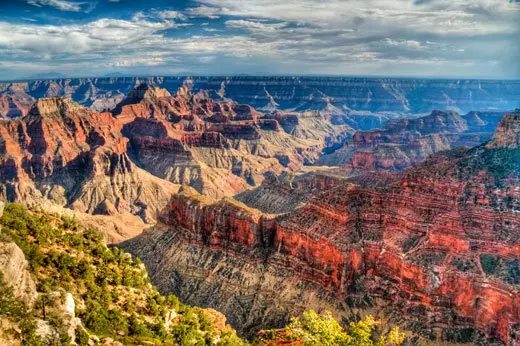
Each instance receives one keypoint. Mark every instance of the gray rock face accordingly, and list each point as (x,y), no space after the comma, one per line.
(14,268)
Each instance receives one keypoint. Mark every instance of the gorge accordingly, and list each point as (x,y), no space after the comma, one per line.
(264,213)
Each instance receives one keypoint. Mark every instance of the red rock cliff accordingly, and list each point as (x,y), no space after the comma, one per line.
(440,245)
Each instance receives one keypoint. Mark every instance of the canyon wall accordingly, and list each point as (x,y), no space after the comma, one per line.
(437,250)
(131,161)
(402,143)
(338,95)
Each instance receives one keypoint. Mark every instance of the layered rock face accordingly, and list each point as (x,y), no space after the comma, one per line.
(338,95)
(62,154)
(220,149)
(131,161)
(288,191)
(508,132)
(406,142)
(436,249)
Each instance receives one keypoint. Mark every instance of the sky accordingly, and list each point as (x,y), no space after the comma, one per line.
(416,38)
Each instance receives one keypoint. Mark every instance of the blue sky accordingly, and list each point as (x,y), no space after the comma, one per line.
(423,38)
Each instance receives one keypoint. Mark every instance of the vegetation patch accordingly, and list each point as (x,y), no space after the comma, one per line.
(113,294)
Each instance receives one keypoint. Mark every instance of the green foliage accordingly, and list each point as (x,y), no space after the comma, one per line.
(118,299)
(315,329)
(16,311)
(29,336)
(513,272)
(9,306)
(322,329)
(489,263)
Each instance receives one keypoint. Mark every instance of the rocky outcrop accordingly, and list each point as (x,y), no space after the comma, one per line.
(15,105)
(403,143)
(192,140)
(508,132)
(288,191)
(62,154)
(15,273)
(436,249)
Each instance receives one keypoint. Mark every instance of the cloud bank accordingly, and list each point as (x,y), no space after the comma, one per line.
(370,37)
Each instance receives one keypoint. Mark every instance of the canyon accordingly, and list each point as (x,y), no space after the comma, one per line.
(434,248)
(123,167)
(265,206)
(402,143)
(367,102)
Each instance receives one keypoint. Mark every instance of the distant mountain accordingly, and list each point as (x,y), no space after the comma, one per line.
(117,75)
(337,95)
(47,75)
(402,143)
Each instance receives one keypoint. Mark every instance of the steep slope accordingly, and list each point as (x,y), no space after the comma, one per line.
(192,140)
(128,164)
(72,289)
(288,191)
(62,154)
(437,249)
(86,293)
(403,143)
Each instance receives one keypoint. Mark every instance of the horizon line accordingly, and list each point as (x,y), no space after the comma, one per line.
(31,79)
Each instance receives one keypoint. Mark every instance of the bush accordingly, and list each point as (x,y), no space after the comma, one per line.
(119,301)
(322,329)
(489,263)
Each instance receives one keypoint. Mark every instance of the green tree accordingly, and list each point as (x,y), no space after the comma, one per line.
(322,329)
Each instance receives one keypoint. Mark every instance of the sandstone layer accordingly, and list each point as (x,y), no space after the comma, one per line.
(403,143)
(126,164)
(437,249)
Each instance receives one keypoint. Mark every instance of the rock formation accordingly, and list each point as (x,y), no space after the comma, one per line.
(67,155)
(220,149)
(436,249)
(130,162)
(15,273)
(288,191)
(507,134)
(406,142)
(362,102)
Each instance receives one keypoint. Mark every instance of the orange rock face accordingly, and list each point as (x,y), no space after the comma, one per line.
(64,154)
(400,144)
(441,243)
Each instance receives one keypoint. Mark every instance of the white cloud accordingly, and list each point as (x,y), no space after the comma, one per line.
(461,17)
(254,25)
(99,35)
(136,61)
(171,15)
(407,43)
(206,11)
(291,36)
(63,5)
(206,59)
